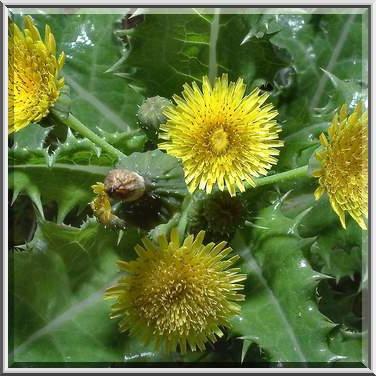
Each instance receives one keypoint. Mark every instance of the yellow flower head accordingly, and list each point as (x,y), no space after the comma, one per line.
(343,173)
(220,135)
(34,83)
(177,295)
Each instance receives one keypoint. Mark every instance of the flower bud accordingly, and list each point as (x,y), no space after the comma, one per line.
(150,114)
(124,185)
(219,213)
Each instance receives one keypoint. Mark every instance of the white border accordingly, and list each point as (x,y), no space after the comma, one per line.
(145,3)
(5,189)
(309,3)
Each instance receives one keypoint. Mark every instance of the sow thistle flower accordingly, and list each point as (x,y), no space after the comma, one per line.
(221,136)
(34,83)
(177,295)
(343,173)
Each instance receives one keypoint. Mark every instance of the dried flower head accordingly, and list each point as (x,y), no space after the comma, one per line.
(34,83)
(124,185)
(221,136)
(177,294)
(343,158)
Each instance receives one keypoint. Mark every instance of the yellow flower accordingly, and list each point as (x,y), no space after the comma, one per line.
(343,173)
(220,135)
(177,295)
(34,83)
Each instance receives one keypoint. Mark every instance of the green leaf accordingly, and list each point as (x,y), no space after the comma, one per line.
(36,294)
(66,184)
(299,146)
(353,345)
(79,248)
(341,301)
(280,312)
(99,99)
(55,318)
(335,251)
(338,252)
(319,43)
(31,137)
(189,46)
(64,176)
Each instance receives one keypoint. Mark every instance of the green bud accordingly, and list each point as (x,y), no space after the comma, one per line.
(218,213)
(64,102)
(313,163)
(150,115)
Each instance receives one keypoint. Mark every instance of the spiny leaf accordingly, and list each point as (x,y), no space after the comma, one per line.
(341,301)
(31,137)
(75,150)
(334,252)
(67,185)
(57,314)
(353,345)
(189,46)
(280,308)
(37,291)
(337,252)
(79,248)
(315,42)
(65,175)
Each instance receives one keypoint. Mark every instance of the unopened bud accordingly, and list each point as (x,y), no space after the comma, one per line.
(150,115)
(124,185)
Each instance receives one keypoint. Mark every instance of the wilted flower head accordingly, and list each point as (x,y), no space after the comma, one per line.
(102,208)
(177,294)
(221,136)
(343,157)
(124,185)
(34,83)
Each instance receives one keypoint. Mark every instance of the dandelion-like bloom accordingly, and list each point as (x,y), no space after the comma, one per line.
(34,83)
(343,173)
(177,294)
(220,135)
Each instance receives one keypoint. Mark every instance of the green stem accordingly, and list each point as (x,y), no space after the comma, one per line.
(73,123)
(283,176)
(183,221)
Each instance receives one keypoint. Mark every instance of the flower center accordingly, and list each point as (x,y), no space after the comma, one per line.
(219,140)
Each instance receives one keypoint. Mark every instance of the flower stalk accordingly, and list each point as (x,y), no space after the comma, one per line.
(183,220)
(73,123)
(283,176)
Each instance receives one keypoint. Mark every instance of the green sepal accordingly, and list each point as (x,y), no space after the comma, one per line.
(64,102)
